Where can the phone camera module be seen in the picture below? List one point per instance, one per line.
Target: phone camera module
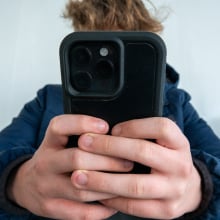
(82, 56)
(104, 69)
(82, 81)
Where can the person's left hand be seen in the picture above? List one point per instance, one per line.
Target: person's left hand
(171, 189)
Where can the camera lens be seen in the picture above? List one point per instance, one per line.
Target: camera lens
(104, 69)
(82, 81)
(81, 56)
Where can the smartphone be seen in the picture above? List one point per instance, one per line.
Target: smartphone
(116, 76)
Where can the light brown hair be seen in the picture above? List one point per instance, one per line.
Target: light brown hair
(127, 15)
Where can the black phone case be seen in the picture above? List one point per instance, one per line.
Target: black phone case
(139, 91)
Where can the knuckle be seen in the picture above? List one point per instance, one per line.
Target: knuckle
(42, 188)
(45, 208)
(178, 191)
(81, 196)
(129, 128)
(165, 126)
(88, 214)
(129, 208)
(54, 125)
(39, 169)
(186, 143)
(107, 145)
(77, 160)
(171, 210)
(83, 123)
(40, 165)
(137, 189)
(144, 151)
(185, 169)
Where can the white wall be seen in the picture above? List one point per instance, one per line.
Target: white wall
(30, 34)
(31, 31)
(192, 36)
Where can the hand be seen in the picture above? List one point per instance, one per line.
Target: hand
(170, 190)
(43, 184)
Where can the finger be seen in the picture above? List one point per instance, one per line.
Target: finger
(163, 130)
(62, 187)
(153, 209)
(63, 126)
(66, 209)
(127, 185)
(141, 151)
(76, 159)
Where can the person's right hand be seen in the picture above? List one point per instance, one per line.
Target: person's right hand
(43, 185)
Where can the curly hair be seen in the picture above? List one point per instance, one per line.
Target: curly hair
(128, 15)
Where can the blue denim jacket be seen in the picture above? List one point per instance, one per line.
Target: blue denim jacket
(24, 135)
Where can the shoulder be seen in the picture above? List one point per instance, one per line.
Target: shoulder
(50, 90)
(175, 99)
(173, 94)
(50, 96)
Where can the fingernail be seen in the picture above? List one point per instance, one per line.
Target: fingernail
(101, 126)
(128, 164)
(114, 211)
(116, 130)
(82, 178)
(87, 140)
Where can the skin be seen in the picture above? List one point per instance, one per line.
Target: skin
(67, 178)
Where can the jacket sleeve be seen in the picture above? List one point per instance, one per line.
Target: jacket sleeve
(18, 142)
(205, 146)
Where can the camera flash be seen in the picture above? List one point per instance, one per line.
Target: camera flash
(104, 51)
